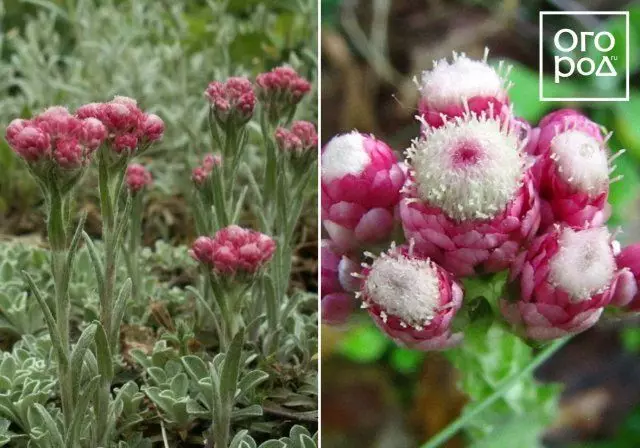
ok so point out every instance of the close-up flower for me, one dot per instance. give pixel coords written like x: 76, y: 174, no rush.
x: 562, y: 283
x: 572, y: 170
x: 412, y: 299
x: 470, y: 203
x: 361, y: 181
x: 451, y: 89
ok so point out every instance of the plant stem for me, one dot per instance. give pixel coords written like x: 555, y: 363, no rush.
x: 108, y: 211
x: 133, y: 249
x: 221, y: 299
x: 502, y: 389
x: 57, y: 240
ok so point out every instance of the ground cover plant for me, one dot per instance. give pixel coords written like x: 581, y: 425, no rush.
x: 181, y: 331
x: 488, y: 241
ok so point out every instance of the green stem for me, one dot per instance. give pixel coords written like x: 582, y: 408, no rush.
x: 57, y: 240
x: 220, y: 297
x: 502, y: 389
x: 133, y: 248
x: 108, y: 211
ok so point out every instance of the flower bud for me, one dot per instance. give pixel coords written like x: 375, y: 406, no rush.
x: 572, y: 170
x: 361, y: 181
x: 152, y: 127
x: 627, y: 291
x: 412, y: 299
x: 562, y: 283
x: 232, y: 101
x: 336, y: 308
x: 470, y: 203
x: 137, y: 177
x: 336, y: 270
x: 465, y: 85
x: 280, y: 90
x: 234, y: 251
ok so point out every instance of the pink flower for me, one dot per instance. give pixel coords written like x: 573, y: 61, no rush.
x: 572, y: 170
x: 627, y: 290
x: 336, y: 308
x: 201, y: 173
x: 56, y: 138
x: 233, y: 99
x: 561, y: 283
x: 28, y: 140
x: 69, y: 153
x: 137, y: 177
x: 91, y: 110
x: 283, y: 81
x: 469, y: 204
x: 93, y: 133
x: 58, y: 122
x: 301, y: 139
x: 280, y: 90
x: 336, y: 270
x: 234, y: 250
x: 152, y: 127
x: 361, y: 181
x: 125, y: 142
x: 411, y: 299
x: 451, y: 89
x: 127, y: 126
x: 559, y: 121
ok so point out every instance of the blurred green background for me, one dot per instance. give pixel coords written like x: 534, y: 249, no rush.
x: 377, y: 395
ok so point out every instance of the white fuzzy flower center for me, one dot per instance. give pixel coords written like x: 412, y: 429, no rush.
x: 344, y: 154
x: 449, y: 83
x: 404, y: 287
x: 581, y: 161
x: 470, y: 168
x: 584, y: 265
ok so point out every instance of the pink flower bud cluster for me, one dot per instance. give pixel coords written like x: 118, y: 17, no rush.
x: 137, y: 177
x: 232, y: 100
x: 56, y: 137
x: 128, y: 127
x: 282, y: 84
x: 481, y: 191
x: 300, y: 139
x: 201, y: 173
x: 234, y: 251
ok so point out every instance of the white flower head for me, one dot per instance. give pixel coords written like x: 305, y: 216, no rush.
x: 405, y: 287
x: 471, y: 167
x: 463, y: 78
x: 584, y: 265
x: 344, y: 154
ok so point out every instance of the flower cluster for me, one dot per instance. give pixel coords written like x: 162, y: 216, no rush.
x: 202, y: 172
x: 232, y: 101
x: 137, y: 177
x: 234, y: 251
x: 129, y: 129
x: 55, y: 138
x: 299, y: 140
x: 280, y: 90
x: 481, y: 191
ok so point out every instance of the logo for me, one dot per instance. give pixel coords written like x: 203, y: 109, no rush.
x: 583, y: 56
